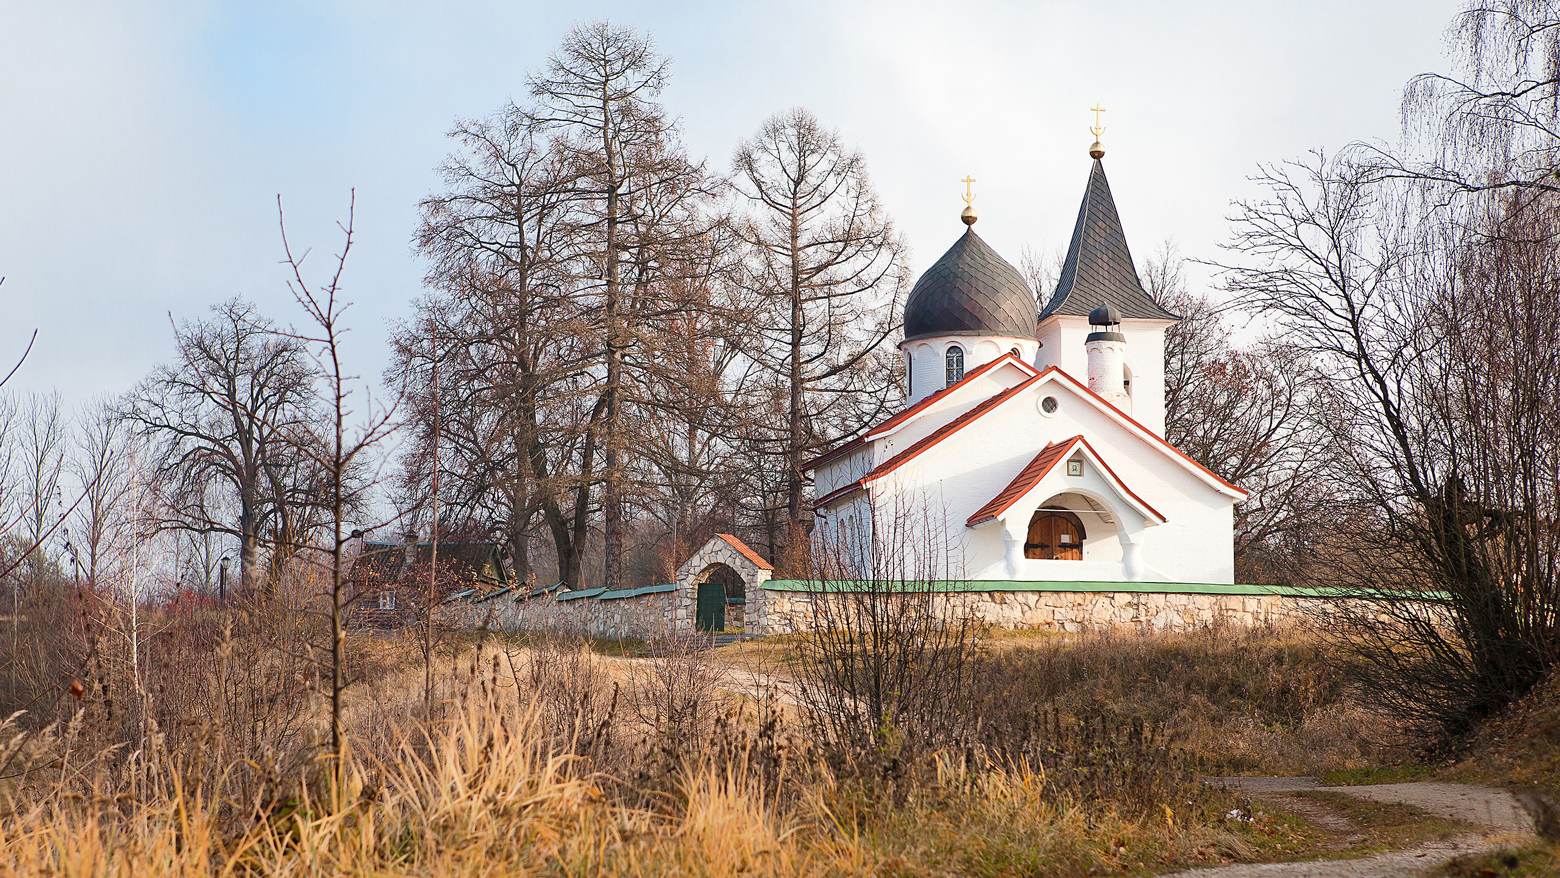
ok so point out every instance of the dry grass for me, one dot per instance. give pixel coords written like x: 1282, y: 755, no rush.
x: 547, y: 758
x: 1241, y: 701
x: 488, y: 794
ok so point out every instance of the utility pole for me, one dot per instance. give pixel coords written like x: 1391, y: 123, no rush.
x: 433, y: 555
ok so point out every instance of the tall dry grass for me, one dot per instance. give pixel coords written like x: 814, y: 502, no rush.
x: 549, y: 759
x: 488, y: 794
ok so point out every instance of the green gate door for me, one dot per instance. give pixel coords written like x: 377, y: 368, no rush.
x: 710, y: 612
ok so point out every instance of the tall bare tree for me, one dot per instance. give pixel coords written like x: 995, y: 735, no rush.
x: 105, y: 465
x: 1248, y: 412
x: 1493, y: 123
x: 830, y: 272
x: 41, y: 445
x: 227, y: 411
x: 520, y: 410
x: 353, y: 428
x: 1438, y: 335
x: 632, y: 191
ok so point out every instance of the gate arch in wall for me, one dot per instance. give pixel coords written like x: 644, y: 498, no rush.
x: 711, y: 571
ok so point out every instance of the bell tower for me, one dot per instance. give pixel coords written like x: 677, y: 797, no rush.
x: 1097, y: 274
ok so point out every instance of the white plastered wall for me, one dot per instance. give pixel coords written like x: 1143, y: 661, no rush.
x: 1062, y: 344
x: 926, y: 358
x: 967, y: 469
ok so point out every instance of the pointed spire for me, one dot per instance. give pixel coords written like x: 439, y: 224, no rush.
x: 1099, y: 268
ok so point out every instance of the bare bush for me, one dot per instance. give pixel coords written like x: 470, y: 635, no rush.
x: 676, y: 696
x: 888, y: 664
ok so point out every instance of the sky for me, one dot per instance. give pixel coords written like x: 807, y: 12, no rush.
x: 143, y: 146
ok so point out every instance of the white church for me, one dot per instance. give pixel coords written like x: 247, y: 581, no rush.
x: 1037, y: 434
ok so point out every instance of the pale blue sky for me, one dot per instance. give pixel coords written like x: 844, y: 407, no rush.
x: 142, y: 145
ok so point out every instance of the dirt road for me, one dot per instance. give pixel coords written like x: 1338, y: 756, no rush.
x: 1497, y: 811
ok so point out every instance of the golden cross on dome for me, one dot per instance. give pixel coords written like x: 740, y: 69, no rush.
x: 969, y: 194
x: 1097, y: 128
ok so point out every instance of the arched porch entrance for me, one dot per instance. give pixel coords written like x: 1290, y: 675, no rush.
x: 1055, y: 535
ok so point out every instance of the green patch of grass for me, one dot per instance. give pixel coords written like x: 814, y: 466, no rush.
x: 1375, y: 774
x: 1382, y: 826
x: 1527, y: 861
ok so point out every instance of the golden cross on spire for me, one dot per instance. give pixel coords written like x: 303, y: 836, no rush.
x: 1097, y: 129
x: 969, y: 194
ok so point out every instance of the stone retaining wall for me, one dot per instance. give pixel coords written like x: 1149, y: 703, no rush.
x: 643, y: 616
x: 789, y: 611
x: 784, y: 608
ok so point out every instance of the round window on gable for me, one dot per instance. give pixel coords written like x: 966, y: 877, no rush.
x: 1049, y: 405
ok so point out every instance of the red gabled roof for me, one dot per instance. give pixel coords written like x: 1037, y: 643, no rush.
x: 926, y: 442
x: 744, y: 551
x: 1150, y: 433
x: 1037, y: 469
x: 909, y: 413
x: 1027, y: 478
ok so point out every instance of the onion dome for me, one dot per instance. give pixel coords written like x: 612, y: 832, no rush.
x: 971, y: 291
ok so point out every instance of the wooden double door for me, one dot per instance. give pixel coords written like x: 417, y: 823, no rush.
x: 1055, y: 536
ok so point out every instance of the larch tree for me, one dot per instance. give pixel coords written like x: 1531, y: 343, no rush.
x: 633, y: 198
x: 829, y: 270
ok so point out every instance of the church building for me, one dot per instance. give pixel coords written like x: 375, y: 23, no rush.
x: 1033, y: 437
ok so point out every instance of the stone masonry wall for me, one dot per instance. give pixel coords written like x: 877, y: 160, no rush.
x: 780, y: 611
x: 644, y: 616
x: 791, y: 611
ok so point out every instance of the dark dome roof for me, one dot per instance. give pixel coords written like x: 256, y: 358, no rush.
x: 1105, y: 314
x: 971, y: 291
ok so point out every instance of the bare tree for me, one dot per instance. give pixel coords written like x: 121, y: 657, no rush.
x: 519, y: 412
x: 105, y: 465
x: 351, y: 435
x: 230, y: 411
x: 830, y: 271
x: 1438, y: 343
x: 41, y: 445
x: 633, y: 193
x: 1248, y: 412
x: 1493, y: 124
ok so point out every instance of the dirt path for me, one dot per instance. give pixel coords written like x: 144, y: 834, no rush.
x: 1497, y: 811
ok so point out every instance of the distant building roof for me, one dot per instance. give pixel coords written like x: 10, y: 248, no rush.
x: 1098, y: 269
x: 461, y: 565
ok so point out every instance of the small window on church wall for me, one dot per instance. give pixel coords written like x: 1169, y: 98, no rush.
x: 955, y: 362
x: 1049, y: 405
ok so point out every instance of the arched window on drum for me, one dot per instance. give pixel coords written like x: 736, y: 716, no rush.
x: 954, y: 363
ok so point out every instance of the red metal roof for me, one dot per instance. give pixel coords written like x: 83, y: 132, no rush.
x: 742, y: 548
x: 1027, y: 478
x: 1037, y: 469
x: 905, y: 415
